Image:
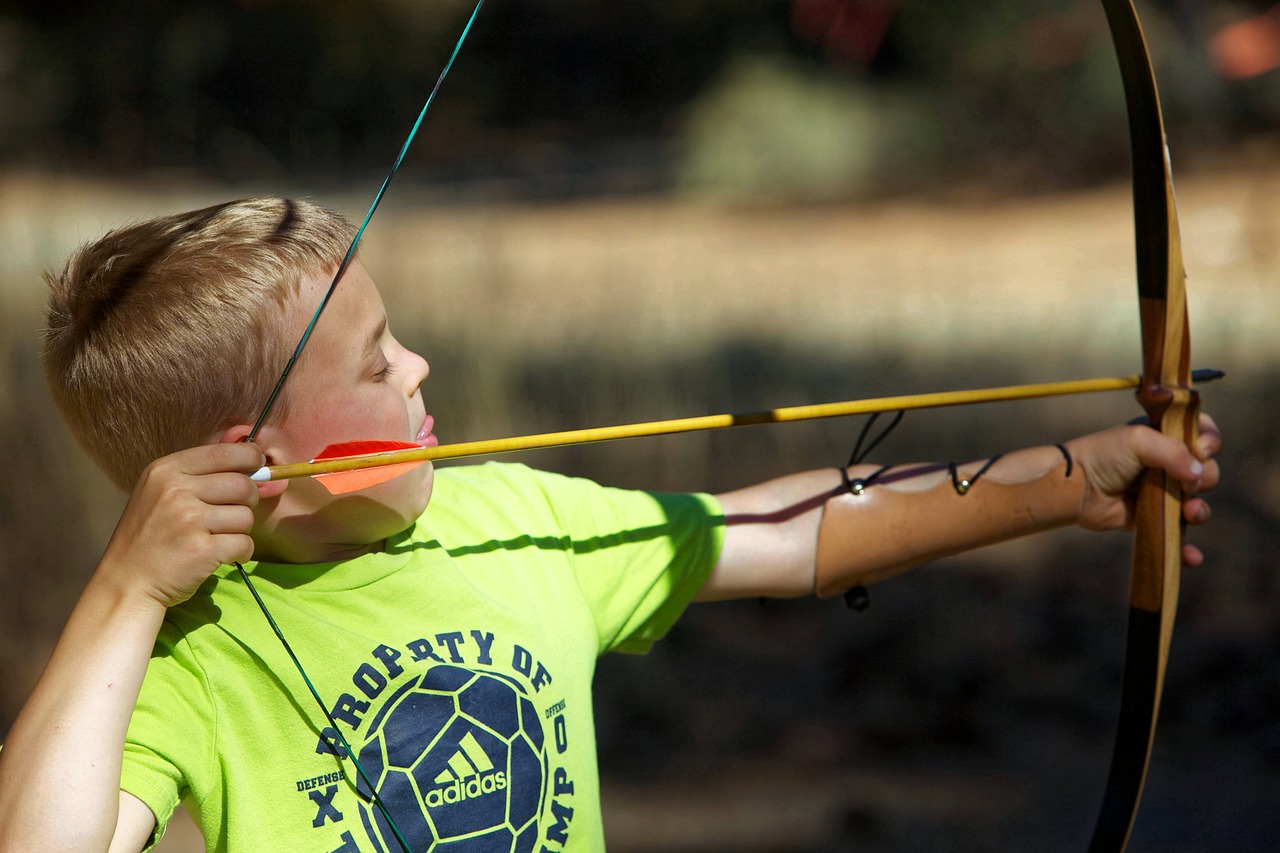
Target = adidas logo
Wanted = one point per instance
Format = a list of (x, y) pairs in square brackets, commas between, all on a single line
[(468, 774)]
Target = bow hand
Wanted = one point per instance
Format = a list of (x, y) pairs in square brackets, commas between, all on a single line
[(1112, 463)]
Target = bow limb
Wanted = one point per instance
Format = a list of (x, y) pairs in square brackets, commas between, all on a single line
[(1173, 408)]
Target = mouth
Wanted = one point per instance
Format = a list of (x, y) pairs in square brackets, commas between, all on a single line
[(425, 436)]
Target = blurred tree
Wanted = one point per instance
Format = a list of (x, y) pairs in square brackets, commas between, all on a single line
[(575, 96)]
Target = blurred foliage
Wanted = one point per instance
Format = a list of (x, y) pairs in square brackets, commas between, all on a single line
[(575, 97), (773, 128)]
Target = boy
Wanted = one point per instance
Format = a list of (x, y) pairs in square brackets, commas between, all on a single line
[(449, 620)]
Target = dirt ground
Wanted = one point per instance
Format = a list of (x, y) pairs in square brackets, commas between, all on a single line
[(971, 708)]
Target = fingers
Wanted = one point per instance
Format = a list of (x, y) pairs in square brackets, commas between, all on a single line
[(1209, 441), (242, 456), (229, 497), (226, 489), (1192, 557), (228, 519), (1196, 511), (1207, 445), (214, 474), (231, 548), (190, 512), (1196, 471)]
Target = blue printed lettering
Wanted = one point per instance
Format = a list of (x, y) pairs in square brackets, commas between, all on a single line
[(421, 650), (562, 786), (330, 743), (347, 709), (324, 806), (348, 844), (451, 639), (319, 781), (562, 734), (521, 661), (559, 831), (485, 642), (389, 656), (541, 678), (369, 680)]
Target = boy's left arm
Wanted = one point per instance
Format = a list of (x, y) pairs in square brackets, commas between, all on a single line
[(809, 532)]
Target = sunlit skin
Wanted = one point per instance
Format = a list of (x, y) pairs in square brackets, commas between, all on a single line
[(353, 381)]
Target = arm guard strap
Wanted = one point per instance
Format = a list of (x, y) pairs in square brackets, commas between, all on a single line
[(878, 529)]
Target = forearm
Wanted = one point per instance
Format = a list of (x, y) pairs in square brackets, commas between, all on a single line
[(912, 514), (808, 532), (60, 766)]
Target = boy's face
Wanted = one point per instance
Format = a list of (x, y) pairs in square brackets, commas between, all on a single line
[(353, 381)]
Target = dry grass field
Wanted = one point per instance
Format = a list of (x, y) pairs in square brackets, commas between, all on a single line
[(972, 707)]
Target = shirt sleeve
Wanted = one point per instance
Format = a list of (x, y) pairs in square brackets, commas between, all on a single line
[(639, 558), (172, 731)]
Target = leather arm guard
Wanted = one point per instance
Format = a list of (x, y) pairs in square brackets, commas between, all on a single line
[(872, 530)]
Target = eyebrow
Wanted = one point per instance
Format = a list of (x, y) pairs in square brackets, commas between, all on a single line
[(375, 335)]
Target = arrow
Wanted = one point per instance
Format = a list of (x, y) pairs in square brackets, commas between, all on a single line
[(351, 466)]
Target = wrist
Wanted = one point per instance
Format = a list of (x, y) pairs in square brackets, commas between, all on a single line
[(116, 590)]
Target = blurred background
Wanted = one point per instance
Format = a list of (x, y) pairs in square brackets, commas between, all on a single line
[(627, 211)]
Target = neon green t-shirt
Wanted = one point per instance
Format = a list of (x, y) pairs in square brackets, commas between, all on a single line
[(457, 663)]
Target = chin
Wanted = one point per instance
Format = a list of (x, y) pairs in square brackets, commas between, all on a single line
[(408, 495), (370, 516)]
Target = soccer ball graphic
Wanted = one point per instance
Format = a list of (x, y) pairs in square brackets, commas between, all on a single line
[(459, 759)]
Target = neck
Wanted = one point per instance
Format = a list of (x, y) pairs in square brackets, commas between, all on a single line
[(309, 552)]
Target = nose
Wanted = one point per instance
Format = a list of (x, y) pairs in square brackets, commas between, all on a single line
[(416, 370)]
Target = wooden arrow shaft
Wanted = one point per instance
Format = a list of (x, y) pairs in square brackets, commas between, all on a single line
[(696, 424)]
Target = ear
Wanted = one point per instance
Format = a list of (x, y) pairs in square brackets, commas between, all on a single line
[(241, 432)]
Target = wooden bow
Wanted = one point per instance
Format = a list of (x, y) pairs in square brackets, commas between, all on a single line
[(1173, 408)]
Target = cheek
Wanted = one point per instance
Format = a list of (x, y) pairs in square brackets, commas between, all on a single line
[(378, 415)]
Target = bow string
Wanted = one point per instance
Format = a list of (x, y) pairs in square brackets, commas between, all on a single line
[(368, 785)]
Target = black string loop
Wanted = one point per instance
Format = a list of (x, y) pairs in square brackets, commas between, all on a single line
[(859, 485), (962, 486), (857, 598), (859, 454), (1067, 456)]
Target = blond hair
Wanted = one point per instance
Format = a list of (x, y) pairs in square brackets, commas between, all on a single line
[(164, 332)]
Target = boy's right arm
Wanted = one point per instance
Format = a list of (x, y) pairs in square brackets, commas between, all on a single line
[(60, 767)]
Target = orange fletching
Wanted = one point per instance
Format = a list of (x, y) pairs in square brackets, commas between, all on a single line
[(343, 482), (363, 447)]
